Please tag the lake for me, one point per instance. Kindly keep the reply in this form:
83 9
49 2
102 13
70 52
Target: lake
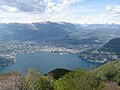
44 62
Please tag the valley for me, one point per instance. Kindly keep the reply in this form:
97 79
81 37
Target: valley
86 41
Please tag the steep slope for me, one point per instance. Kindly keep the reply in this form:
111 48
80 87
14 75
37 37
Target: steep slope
58 31
109 71
35 31
105 77
113 46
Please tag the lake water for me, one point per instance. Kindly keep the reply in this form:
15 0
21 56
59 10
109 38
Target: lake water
44 62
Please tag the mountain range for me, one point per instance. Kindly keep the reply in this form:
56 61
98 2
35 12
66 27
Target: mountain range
60 32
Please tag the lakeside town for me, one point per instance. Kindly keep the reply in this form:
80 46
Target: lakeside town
91 53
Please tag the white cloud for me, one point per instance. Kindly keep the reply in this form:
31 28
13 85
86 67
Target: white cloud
60 7
35 10
26 5
113 9
39 5
28 11
8 8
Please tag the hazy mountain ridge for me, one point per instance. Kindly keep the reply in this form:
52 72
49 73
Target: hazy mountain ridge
54 30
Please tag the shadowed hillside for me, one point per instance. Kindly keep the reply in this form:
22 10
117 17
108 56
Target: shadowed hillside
113 45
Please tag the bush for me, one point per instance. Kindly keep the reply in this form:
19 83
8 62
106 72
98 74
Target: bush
27 82
44 83
34 81
77 80
111 86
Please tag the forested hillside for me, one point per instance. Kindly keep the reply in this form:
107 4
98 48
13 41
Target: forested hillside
113 46
106 77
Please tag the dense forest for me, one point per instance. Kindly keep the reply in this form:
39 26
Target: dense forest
113 46
105 77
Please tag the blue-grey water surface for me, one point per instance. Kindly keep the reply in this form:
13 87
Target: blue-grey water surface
44 62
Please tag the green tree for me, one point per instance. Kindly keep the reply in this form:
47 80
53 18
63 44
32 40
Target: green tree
77 80
27 82
44 83
110 74
111 86
117 78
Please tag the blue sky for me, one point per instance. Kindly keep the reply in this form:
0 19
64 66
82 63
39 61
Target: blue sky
74 11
